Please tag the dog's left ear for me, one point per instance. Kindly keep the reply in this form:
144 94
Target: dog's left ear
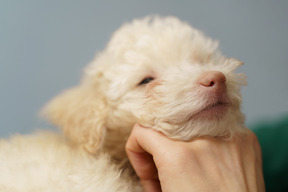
81 114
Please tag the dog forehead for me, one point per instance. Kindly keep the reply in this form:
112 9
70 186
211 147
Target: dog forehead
153 28
161 36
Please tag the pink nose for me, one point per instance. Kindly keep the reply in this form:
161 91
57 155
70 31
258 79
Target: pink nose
212 79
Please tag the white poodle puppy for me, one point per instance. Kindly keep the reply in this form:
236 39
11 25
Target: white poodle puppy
159 72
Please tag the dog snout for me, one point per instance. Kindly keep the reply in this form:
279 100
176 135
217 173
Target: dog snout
212 80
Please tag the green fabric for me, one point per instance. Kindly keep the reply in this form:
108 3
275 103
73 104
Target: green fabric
273 138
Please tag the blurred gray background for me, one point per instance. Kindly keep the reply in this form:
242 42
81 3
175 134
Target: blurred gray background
44 45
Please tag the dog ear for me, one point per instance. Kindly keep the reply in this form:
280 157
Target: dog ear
81 114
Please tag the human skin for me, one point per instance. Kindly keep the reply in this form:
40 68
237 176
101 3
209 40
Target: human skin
202 164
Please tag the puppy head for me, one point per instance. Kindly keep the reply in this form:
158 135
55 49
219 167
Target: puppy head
159 72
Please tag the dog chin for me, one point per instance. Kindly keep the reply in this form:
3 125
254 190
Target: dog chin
211 121
213 111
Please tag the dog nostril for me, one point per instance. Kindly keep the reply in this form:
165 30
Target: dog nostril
212 83
207 83
211 79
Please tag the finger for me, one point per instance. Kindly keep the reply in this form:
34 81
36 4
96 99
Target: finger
151 185
142 162
144 139
143 165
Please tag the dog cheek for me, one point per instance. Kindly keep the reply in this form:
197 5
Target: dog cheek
143 111
120 113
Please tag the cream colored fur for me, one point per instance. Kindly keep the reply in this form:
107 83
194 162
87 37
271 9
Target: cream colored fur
99 113
47 162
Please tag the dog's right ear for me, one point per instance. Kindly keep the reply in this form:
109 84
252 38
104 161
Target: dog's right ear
81 114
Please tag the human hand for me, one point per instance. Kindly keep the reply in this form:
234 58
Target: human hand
203 164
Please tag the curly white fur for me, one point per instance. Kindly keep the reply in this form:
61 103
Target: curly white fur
46 162
99 114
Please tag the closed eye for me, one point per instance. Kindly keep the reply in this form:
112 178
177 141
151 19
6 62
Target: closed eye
146 80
